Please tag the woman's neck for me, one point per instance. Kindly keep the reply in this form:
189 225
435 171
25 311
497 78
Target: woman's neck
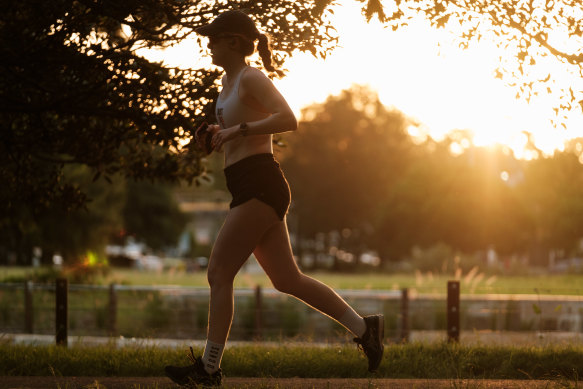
234 68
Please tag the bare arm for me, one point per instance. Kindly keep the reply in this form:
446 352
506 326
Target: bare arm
259 92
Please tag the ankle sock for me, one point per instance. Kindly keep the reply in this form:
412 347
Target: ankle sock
353 322
213 353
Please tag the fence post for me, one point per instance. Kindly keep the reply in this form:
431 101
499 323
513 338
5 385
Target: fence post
453 311
28 308
112 313
404 315
62 311
258 312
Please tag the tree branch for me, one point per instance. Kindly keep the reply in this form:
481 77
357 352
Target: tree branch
574 59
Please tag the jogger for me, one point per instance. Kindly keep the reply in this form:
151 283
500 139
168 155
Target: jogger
249 110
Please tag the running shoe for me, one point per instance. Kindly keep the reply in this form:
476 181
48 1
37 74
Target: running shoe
193 375
372 341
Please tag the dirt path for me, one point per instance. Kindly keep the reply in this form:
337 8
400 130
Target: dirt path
265 383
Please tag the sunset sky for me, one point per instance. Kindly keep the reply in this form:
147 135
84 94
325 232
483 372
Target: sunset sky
421 72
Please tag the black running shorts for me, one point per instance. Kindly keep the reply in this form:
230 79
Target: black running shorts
259 176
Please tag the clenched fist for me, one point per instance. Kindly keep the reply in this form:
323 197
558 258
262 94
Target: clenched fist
203 136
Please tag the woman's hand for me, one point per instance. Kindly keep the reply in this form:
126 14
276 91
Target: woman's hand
221 137
203 136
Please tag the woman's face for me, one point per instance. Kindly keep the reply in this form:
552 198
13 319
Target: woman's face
221 48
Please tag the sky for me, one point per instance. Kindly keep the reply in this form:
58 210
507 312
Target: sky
421 72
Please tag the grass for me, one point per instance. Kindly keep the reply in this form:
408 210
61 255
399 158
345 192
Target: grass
472 282
422 361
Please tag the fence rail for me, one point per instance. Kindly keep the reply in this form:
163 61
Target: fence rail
114 306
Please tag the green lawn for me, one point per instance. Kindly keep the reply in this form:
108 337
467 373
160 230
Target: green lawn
479 283
446 361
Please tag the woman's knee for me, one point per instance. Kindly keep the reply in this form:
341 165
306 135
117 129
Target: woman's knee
218 279
217 275
290 284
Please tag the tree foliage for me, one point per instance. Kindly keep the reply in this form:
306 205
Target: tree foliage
151 215
353 166
537 35
347 153
74 89
70 233
552 192
73 233
148 212
458 200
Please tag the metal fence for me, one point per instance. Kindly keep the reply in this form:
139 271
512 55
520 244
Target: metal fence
263 313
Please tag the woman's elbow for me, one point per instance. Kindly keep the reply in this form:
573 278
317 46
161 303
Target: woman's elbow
292 124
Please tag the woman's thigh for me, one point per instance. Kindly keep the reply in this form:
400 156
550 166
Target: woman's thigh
242 230
274 254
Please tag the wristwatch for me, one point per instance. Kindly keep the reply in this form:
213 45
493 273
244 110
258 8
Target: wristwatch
244 128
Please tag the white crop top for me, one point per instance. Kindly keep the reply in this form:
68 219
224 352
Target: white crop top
230 110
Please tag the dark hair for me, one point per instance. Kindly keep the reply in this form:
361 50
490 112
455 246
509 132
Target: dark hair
240 25
263 48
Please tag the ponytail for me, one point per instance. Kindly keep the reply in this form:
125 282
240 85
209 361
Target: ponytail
265 54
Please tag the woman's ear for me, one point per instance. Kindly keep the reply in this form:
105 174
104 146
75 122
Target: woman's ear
234 43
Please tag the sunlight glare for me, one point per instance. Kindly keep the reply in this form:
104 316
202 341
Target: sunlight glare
419 71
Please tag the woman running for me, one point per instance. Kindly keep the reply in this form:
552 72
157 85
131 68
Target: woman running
248 111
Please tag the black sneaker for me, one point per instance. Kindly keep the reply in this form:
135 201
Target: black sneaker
193 375
372 340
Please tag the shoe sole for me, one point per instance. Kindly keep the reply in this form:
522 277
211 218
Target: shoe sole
189 383
380 325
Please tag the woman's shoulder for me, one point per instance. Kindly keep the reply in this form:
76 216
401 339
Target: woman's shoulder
253 74
255 80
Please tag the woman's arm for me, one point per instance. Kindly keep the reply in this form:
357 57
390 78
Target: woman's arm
257 91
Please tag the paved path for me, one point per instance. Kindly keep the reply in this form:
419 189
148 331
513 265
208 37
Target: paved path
267 383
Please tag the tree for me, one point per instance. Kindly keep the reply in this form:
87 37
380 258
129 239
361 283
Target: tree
72 233
151 214
534 33
145 210
75 91
347 153
353 167
458 200
552 192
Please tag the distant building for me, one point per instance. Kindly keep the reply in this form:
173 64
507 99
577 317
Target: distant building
207 210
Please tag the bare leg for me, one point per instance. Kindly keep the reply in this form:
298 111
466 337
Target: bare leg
242 230
274 253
